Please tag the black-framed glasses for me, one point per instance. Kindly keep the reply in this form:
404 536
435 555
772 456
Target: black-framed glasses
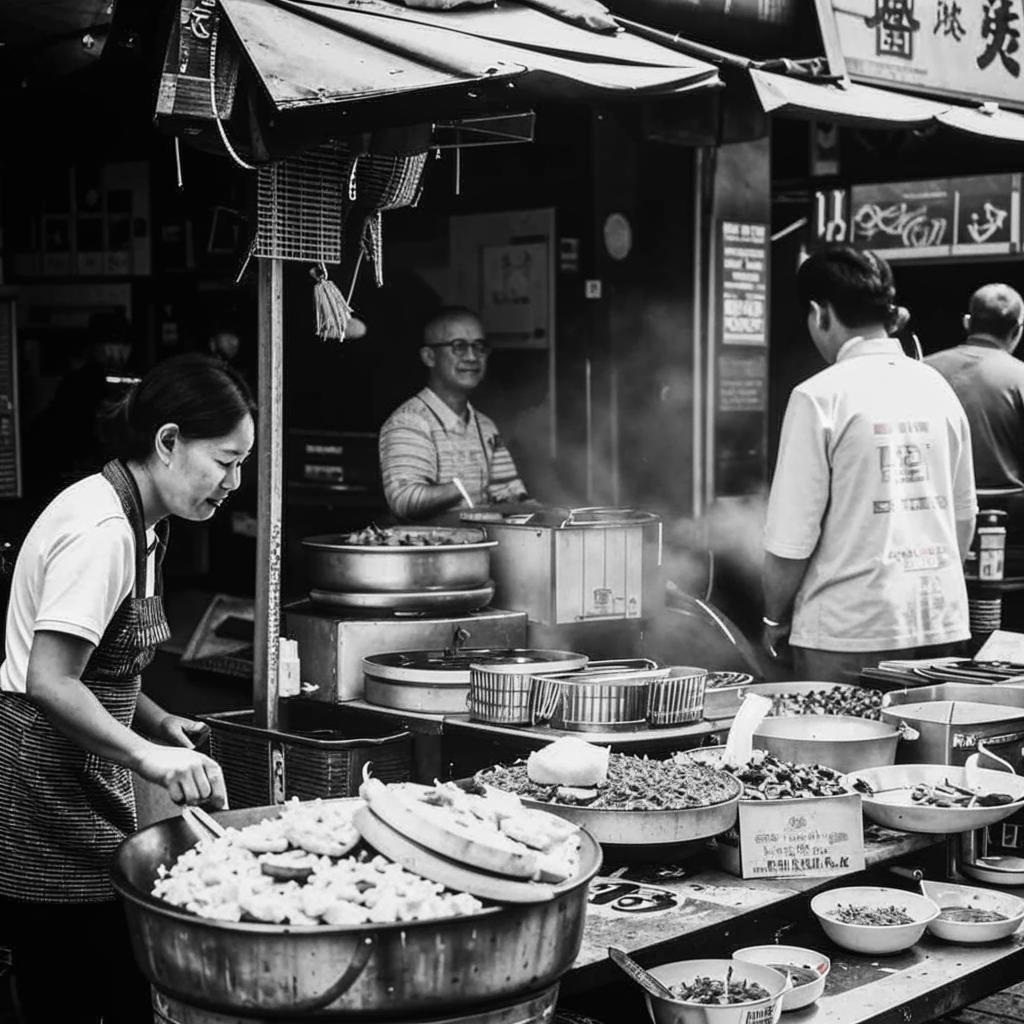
462 348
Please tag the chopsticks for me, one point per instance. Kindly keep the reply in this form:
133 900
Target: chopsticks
201 824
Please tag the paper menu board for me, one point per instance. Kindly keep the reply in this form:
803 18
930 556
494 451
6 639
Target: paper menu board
815 837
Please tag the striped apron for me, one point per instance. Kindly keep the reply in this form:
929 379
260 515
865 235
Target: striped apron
63 810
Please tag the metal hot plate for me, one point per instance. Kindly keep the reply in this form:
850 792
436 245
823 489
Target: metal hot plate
452 667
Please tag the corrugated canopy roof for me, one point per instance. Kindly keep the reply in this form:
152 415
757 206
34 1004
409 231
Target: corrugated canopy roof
310 53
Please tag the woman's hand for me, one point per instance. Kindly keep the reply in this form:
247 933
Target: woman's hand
180 732
188 776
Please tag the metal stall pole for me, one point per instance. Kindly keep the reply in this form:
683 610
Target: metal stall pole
270 455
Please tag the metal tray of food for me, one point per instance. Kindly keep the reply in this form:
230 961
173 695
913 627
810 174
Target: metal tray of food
635 826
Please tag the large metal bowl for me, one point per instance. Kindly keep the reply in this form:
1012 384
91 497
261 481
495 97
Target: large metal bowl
415 969
891 806
843 742
333 565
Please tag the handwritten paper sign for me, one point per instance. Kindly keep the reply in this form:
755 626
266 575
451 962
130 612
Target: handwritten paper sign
812 838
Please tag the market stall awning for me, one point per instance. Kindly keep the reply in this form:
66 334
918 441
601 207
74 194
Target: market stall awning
869 106
849 103
336 51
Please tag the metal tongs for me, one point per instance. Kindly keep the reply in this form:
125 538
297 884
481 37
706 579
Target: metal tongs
201 824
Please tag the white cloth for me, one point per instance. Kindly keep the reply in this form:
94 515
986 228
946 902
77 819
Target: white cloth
76 566
874 471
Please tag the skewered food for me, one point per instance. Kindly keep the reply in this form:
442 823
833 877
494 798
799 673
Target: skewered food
247 874
373 536
858 701
945 794
633 784
876 916
716 992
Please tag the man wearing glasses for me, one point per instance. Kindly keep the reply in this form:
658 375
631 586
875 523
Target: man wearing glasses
438 453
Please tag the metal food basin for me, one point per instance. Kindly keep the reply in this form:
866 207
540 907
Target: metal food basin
335 566
357 973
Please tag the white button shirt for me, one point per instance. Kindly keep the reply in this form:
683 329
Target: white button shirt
874 471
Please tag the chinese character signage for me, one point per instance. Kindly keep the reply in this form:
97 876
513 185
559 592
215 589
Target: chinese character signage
978 216
961 48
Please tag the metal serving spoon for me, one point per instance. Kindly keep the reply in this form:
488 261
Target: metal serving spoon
642 977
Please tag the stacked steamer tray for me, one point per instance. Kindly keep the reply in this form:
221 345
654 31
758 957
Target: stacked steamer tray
440 681
634 806
418 904
619 696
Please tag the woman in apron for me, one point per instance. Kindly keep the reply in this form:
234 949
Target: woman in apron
83 621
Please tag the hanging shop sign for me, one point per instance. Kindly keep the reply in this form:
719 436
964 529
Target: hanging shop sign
744 283
961 217
970 49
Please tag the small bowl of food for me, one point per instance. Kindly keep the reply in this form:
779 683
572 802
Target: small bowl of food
718 992
806 968
873 919
969 915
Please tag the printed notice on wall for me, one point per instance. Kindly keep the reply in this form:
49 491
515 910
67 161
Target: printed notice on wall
742 382
744 283
801 838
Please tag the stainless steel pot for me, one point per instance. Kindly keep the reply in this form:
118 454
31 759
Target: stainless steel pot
333 565
842 742
273 971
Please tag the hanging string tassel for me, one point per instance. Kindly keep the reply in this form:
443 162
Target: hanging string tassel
373 243
332 310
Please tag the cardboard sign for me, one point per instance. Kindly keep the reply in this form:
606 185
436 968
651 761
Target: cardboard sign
812 838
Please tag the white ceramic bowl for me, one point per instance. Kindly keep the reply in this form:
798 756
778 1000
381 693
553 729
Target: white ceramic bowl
780 957
764 1011
945 894
874 939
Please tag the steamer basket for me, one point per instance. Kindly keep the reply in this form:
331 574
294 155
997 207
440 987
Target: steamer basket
503 694
678 698
604 697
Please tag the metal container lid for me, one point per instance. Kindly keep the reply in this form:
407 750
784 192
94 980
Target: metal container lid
433 538
452 667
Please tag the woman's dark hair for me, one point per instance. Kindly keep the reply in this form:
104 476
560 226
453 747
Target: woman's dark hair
202 395
857 283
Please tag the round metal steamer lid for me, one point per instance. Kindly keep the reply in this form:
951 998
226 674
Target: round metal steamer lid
446 668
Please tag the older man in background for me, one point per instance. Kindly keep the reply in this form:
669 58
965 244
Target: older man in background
989 382
438 453
872 506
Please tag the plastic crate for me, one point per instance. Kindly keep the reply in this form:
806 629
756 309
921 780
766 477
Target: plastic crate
318 750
